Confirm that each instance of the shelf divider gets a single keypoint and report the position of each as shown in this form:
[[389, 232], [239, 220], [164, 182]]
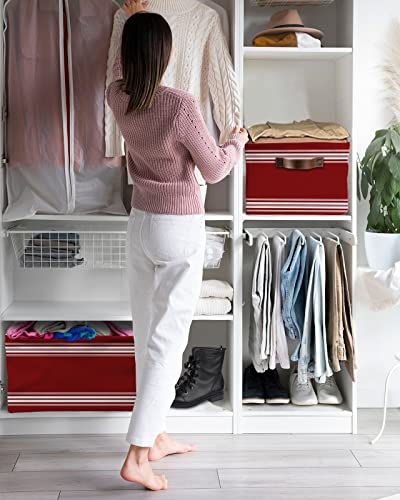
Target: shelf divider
[[279, 53], [79, 311]]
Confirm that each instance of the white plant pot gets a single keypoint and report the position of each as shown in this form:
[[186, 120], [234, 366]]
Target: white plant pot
[[382, 249]]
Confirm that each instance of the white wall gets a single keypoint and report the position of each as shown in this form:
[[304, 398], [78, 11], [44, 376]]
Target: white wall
[[378, 333]]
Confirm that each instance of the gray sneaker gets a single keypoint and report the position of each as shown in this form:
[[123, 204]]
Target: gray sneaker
[[328, 393], [302, 394]]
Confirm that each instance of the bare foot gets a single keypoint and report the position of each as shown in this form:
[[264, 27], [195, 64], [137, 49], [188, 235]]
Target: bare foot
[[143, 474], [165, 445]]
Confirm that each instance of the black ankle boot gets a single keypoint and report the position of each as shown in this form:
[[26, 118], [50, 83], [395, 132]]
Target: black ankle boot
[[202, 380]]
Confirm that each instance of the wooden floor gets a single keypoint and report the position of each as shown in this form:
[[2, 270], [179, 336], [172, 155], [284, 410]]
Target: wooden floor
[[246, 467]]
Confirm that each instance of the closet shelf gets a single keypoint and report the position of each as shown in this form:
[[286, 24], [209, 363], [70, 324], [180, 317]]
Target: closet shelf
[[217, 216], [207, 418], [219, 409], [292, 410], [280, 217], [321, 419], [324, 54], [79, 311]]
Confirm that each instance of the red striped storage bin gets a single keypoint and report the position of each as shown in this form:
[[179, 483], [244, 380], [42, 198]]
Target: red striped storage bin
[[55, 375], [297, 178]]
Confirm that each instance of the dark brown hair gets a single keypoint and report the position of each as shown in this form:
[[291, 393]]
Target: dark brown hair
[[145, 52]]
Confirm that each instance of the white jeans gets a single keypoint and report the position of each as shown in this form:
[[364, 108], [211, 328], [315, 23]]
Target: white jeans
[[165, 268], [260, 327]]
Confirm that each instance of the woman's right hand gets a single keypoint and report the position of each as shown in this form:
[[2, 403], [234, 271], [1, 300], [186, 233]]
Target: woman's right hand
[[134, 6], [242, 132]]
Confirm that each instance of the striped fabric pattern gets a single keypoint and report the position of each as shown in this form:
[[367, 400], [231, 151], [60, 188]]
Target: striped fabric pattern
[[71, 400], [54, 375], [273, 190]]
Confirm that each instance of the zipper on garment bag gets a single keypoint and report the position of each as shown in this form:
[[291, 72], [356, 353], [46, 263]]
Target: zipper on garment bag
[[3, 85], [4, 115], [65, 100], [70, 100]]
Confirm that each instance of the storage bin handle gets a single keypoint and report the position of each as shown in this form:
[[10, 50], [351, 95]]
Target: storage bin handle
[[300, 163]]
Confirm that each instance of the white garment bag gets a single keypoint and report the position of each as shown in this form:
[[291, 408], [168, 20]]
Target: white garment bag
[[56, 59]]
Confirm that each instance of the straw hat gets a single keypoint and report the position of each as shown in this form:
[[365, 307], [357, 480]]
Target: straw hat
[[286, 21]]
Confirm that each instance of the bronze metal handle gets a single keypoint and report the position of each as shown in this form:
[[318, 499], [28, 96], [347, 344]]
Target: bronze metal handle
[[300, 164]]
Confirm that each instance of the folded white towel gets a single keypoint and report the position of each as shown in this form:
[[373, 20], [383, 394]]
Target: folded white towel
[[216, 288], [213, 307]]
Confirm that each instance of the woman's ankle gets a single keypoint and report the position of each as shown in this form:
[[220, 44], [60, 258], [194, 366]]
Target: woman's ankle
[[138, 454], [163, 436]]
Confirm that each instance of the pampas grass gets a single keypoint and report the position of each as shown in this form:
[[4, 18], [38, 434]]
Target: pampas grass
[[391, 70]]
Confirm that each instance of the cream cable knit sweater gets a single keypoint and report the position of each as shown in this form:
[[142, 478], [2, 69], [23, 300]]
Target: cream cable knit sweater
[[201, 64]]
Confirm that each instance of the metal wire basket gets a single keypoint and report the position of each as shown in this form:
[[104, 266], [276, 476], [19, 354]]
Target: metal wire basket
[[44, 248], [290, 3], [75, 247]]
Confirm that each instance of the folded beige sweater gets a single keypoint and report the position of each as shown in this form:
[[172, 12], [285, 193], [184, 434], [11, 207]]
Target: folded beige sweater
[[305, 128]]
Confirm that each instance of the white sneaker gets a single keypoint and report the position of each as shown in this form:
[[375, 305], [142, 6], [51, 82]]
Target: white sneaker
[[302, 394], [328, 393]]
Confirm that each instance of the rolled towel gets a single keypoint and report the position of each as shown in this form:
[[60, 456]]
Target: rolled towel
[[216, 288], [213, 306]]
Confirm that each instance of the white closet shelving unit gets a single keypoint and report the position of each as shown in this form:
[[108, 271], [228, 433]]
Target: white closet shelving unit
[[277, 85]]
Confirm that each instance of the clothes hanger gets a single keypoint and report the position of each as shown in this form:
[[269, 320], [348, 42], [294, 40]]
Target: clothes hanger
[[282, 236], [333, 237], [316, 236], [303, 236]]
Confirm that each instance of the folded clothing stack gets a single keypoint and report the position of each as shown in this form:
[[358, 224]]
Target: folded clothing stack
[[67, 330], [215, 298], [302, 131], [52, 250], [299, 40], [286, 29]]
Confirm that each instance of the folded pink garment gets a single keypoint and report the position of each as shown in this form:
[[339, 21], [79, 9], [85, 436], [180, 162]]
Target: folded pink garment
[[26, 330], [117, 330]]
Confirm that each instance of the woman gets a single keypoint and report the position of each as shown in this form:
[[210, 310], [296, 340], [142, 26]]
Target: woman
[[166, 137]]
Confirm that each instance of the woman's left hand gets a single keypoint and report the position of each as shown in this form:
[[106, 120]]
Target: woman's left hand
[[134, 6]]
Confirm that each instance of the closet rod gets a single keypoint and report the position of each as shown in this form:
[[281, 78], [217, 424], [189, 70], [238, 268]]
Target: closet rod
[[20, 229], [344, 236], [223, 232]]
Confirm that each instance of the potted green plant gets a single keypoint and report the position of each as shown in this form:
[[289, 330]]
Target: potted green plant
[[379, 178]]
